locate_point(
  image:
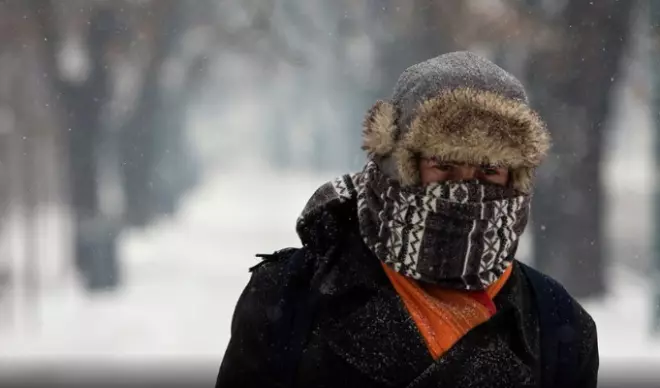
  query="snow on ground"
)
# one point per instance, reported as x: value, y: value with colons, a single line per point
x: 184, y: 275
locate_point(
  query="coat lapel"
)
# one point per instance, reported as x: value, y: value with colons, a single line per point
x: 506, y: 346
x: 365, y: 323
x: 481, y: 359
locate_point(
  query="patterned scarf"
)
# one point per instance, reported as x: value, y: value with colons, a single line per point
x: 460, y: 235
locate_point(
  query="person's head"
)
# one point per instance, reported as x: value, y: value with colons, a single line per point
x: 457, y: 117
x: 444, y: 196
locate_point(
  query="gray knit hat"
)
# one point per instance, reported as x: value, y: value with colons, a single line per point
x: 456, y: 107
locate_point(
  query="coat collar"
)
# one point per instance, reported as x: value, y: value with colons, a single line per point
x: 366, y: 323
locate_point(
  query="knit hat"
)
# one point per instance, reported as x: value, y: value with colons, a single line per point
x: 456, y: 107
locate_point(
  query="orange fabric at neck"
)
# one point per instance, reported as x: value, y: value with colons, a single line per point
x: 444, y: 315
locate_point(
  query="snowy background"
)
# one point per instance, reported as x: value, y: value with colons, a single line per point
x: 182, y: 274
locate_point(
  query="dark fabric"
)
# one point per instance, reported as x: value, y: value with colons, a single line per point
x: 297, y: 309
x: 559, y: 356
x: 460, y: 235
x: 362, y: 335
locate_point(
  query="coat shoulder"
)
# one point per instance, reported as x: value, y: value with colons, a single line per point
x: 583, y: 333
x: 273, y: 275
x: 586, y: 341
x: 250, y: 359
x: 586, y: 331
x: 583, y: 321
x: 273, y: 268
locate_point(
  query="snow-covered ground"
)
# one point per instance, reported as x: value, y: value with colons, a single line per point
x: 183, y: 277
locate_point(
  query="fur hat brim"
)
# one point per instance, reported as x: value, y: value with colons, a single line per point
x: 461, y: 125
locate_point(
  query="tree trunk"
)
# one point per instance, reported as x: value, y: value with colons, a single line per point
x: 571, y: 84
x: 83, y: 104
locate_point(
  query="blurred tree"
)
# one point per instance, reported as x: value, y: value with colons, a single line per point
x: 29, y: 170
x: 141, y: 126
x: 157, y: 168
x: 573, y: 62
x: 82, y: 98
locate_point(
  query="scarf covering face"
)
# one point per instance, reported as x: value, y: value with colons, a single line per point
x: 460, y: 235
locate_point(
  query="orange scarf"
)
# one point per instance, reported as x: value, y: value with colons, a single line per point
x: 444, y: 315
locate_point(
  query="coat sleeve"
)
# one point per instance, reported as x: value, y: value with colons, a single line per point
x: 248, y: 359
x: 588, y: 377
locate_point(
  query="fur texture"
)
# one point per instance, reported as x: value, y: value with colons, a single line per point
x: 461, y: 125
x: 379, y: 129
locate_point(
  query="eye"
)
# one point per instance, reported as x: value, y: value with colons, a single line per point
x: 490, y: 170
x: 444, y: 167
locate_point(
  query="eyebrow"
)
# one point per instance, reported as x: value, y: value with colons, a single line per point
x: 435, y: 159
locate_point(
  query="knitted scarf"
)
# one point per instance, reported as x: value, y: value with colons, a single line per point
x: 459, y: 235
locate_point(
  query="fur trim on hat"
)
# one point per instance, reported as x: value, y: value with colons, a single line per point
x: 461, y: 125
x: 379, y: 129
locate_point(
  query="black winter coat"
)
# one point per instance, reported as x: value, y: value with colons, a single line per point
x: 362, y: 335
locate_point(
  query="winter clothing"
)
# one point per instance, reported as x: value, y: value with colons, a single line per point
x: 456, y: 234
x: 404, y: 285
x: 456, y: 107
x: 360, y: 333
x: 443, y: 316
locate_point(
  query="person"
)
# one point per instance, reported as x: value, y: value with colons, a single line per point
x: 406, y: 276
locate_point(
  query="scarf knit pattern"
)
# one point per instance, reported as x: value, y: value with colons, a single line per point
x: 459, y: 235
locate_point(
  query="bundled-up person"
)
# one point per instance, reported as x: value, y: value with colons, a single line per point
x: 407, y: 274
